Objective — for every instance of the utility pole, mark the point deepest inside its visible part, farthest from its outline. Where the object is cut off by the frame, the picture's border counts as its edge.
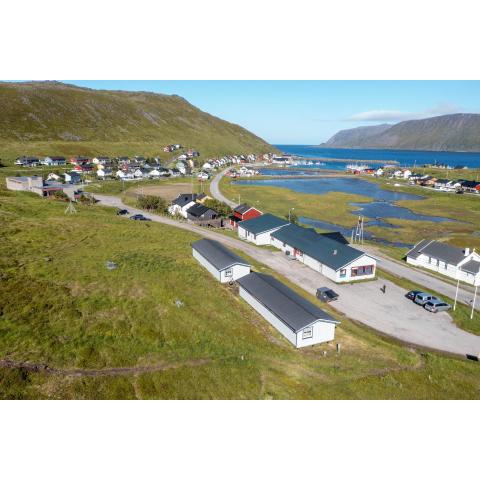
(289, 213)
(473, 303)
(456, 293)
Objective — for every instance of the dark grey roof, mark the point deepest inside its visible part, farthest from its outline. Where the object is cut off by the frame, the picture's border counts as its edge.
(292, 309)
(242, 208)
(415, 251)
(198, 210)
(472, 266)
(216, 254)
(327, 251)
(263, 223)
(184, 198)
(442, 251)
(337, 236)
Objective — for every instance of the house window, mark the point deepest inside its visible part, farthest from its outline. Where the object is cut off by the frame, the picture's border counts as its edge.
(229, 272)
(343, 273)
(307, 333)
(360, 271)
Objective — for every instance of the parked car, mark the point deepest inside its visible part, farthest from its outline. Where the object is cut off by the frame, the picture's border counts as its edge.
(422, 298)
(140, 217)
(326, 294)
(412, 294)
(122, 212)
(435, 306)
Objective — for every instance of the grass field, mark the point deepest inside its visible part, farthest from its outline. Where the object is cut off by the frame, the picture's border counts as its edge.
(61, 307)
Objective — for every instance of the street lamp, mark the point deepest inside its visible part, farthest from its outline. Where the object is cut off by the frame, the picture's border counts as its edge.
(289, 213)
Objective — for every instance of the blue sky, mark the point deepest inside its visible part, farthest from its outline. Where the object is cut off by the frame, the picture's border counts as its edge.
(309, 112)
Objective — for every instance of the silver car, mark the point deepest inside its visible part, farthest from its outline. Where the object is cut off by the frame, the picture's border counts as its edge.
(422, 298)
(435, 306)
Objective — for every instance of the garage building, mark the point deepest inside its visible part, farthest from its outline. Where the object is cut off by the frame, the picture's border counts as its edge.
(297, 319)
(223, 264)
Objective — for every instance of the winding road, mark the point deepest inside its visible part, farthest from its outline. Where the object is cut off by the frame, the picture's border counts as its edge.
(389, 313)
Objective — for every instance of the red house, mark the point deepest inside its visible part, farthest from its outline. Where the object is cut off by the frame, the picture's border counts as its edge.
(79, 160)
(83, 168)
(243, 212)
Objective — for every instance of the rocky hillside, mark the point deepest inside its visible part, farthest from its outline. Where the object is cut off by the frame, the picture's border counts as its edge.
(457, 132)
(72, 118)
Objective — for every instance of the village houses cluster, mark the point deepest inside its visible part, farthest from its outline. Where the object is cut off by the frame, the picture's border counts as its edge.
(120, 168)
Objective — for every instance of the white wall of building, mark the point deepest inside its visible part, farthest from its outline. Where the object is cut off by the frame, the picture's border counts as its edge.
(269, 316)
(237, 271)
(263, 238)
(328, 272)
(205, 263)
(223, 276)
(447, 269)
(321, 332)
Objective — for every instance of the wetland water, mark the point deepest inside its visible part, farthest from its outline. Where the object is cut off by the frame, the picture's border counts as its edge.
(376, 211)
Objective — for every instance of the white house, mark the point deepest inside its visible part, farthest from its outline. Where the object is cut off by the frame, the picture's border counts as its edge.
(336, 260)
(54, 161)
(100, 160)
(258, 230)
(120, 174)
(104, 173)
(72, 177)
(53, 176)
(223, 264)
(297, 319)
(460, 264)
(207, 166)
(182, 203)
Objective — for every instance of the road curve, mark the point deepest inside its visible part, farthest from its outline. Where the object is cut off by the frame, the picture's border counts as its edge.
(215, 189)
(389, 313)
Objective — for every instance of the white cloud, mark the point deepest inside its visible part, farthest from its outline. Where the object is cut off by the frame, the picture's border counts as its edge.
(399, 115)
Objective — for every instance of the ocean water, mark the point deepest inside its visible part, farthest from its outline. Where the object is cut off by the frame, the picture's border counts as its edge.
(406, 158)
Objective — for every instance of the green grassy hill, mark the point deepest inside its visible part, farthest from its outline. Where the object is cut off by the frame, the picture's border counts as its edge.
(46, 118)
(119, 333)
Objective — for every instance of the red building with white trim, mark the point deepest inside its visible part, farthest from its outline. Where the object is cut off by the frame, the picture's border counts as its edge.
(243, 212)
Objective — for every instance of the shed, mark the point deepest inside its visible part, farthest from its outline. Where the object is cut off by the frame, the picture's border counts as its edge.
(299, 320)
(257, 230)
(201, 212)
(222, 263)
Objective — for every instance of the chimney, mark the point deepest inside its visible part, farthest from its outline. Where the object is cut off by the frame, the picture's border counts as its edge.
(466, 251)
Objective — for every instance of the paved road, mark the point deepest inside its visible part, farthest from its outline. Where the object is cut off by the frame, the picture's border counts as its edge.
(428, 281)
(215, 190)
(390, 313)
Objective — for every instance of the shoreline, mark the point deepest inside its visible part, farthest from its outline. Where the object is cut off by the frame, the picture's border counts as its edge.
(343, 160)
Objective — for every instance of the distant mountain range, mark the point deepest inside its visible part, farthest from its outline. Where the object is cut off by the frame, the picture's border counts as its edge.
(58, 118)
(457, 132)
